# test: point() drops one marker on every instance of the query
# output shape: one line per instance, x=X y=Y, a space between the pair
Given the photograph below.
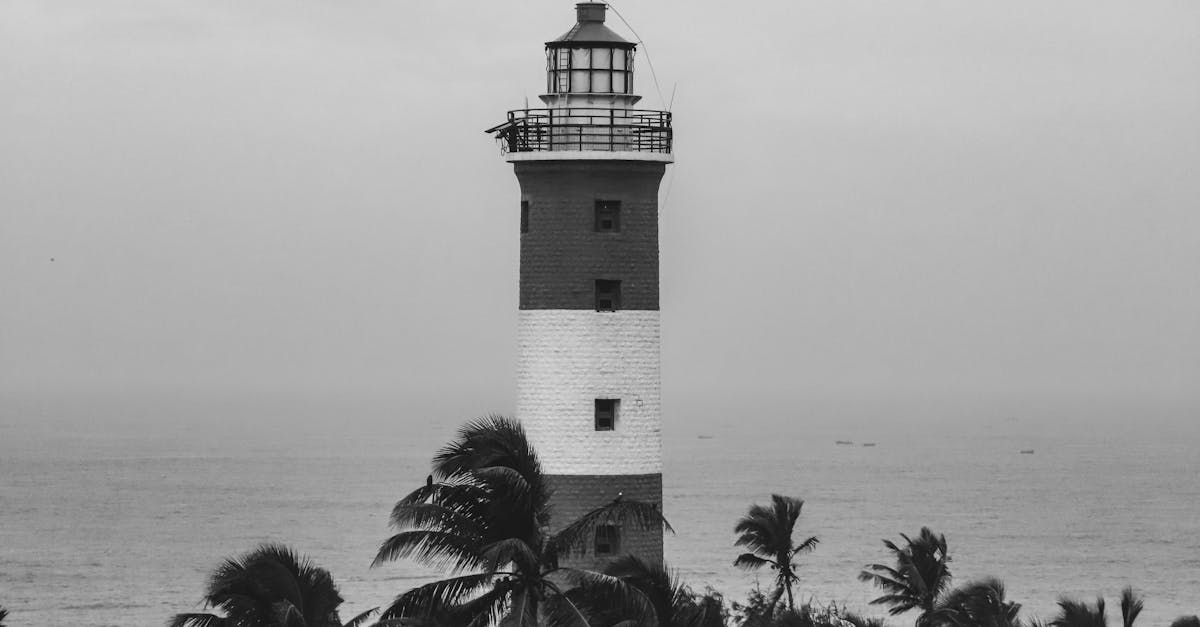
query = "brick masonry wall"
x=566 y=360
x=576 y=495
x=570 y=354
x=562 y=255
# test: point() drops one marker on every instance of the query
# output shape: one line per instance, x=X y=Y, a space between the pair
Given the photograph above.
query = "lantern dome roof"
x=590 y=29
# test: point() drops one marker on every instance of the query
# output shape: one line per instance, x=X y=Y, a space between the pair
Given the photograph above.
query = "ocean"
x=119 y=522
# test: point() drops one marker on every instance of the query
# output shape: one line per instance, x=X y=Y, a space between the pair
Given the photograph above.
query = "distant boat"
x=704 y=437
x=1027 y=451
x=868 y=444
x=845 y=443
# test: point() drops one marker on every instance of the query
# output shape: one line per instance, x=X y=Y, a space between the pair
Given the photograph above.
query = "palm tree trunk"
x=791 y=602
x=775 y=599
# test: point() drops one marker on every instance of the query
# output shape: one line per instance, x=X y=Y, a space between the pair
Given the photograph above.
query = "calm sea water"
x=120 y=525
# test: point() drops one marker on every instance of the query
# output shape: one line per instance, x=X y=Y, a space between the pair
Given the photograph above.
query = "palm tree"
x=1078 y=614
x=674 y=604
x=1131 y=606
x=484 y=514
x=767 y=532
x=919 y=577
x=270 y=586
x=3 y=615
x=977 y=604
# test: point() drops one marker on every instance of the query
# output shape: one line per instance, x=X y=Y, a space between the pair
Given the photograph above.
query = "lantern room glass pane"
x=601 y=58
x=618 y=82
x=579 y=81
x=618 y=61
x=600 y=81
x=581 y=58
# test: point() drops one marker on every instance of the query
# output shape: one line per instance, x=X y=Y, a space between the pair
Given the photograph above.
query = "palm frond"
x=195 y=620
x=885 y=577
x=361 y=619
x=270 y=572
x=488 y=442
x=899 y=603
x=1073 y=613
x=806 y=546
x=439 y=549
x=434 y=516
x=492 y=454
x=257 y=586
x=564 y=609
x=674 y=604
x=496 y=555
x=462 y=482
x=920 y=577
x=1131 y=606
x=619 y=511
x=977 y=603
x=763 y=531
x=488 y=608
x=602 y=591
x=750 y=561
x=438 y=597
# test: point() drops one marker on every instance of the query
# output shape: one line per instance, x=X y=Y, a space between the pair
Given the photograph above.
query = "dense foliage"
x=484 y=515
x=919 y=577
x=270 y=586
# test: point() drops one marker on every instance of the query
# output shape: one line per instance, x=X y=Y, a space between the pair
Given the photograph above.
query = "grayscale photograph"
x=805 y=313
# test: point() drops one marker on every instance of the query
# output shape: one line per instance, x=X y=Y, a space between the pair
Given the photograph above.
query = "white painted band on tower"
x=569 y=358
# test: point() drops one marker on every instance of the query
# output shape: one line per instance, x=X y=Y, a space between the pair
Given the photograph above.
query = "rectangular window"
x=608 y=540
x=608 y=216
x=606 y=413
x=608 y=295
x=524 y=216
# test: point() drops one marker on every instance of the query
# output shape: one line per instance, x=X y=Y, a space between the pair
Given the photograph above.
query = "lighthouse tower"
x=588 y=384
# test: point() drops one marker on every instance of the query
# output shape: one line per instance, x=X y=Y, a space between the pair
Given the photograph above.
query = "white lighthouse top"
x=589 y=99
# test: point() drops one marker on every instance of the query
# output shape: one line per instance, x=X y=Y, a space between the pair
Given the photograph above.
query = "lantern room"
x=588 y=101
x=590 y=63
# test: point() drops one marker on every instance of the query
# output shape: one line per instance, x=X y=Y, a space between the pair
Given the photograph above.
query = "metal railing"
x=578 y=129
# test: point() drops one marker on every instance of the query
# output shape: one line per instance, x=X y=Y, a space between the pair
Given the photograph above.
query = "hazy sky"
x=919 y=206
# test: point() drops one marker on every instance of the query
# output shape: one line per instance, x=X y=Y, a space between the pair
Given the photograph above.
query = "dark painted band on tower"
x=562 y=254
x=576 y=495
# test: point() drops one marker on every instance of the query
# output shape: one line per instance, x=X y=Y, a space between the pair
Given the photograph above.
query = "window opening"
x=608 y=295
x=608 y=540
x=608 y=216
x=606 y=413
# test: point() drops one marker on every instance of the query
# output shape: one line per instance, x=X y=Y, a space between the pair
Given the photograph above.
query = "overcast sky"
x=970 y=208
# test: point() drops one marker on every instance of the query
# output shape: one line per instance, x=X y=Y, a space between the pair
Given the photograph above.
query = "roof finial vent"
x=590 y=12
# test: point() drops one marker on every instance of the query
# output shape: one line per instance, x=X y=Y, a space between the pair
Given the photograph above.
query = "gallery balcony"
x=580 y=129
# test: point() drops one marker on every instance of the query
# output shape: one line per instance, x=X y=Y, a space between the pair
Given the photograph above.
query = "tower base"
x=576 y=495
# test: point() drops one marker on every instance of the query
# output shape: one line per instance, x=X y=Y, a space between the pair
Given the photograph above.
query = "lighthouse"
x=589 y=164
